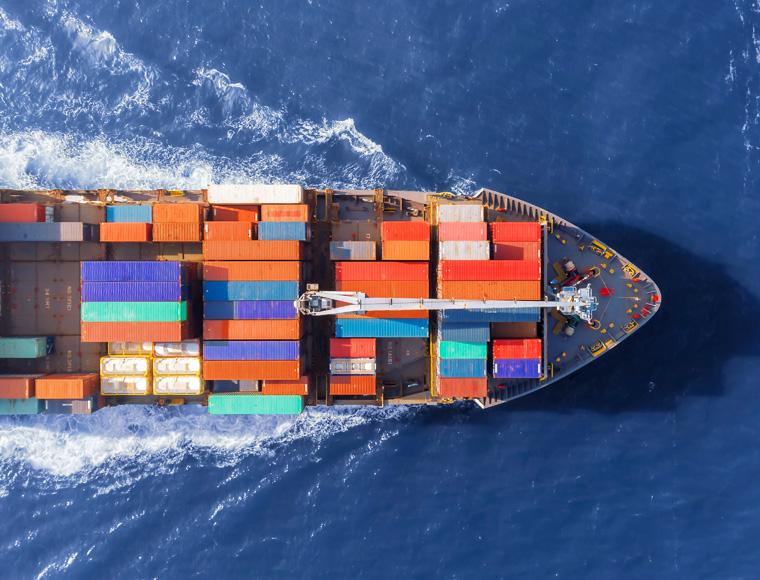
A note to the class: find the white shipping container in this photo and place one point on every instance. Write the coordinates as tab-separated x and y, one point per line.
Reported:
178	365
130	348
460	213
125	385
353	251
190	347
464	250
255	193
177	386
125	365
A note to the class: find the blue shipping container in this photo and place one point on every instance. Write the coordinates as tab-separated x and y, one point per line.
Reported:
464	331
134	271
381	328
492	315
129	214
251	350
72	406
284	231
21	406
135	291
50	232
474	368
213	290
250	310
517	368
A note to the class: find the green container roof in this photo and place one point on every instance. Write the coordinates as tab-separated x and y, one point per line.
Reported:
134	311
462	350
254	404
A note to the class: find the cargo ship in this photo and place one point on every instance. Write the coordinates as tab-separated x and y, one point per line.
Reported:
265	299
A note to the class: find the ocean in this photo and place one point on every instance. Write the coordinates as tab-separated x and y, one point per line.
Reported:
639	121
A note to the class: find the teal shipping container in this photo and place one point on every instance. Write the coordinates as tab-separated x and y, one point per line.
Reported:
462	350
26	346
134	311
21	406
254	404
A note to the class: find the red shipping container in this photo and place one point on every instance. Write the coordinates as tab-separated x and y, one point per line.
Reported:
382	271
255	250
298	212
253	330
353	385
489	290
233	370
125	232
235	213
489	270
450	388
385	289
517	251
406	250
352	347
252	271
22	213
134	331
67	386
406	231
177	213
177	232
17	386
462	232
517	348
389	314
295	387
229	231
515	232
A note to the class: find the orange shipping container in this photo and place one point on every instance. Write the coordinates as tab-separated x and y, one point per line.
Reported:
176	232
490	290
229	231
67	386
17	386
448	388
517	251
298	212
177	213
233	370
298	387
406	250
254	250
134	331
353	385
253	330
252	271
125	232
235	213
385	289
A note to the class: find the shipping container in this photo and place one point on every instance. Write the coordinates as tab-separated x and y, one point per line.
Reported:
130	348
177	232
229	231
418	313
254	194
294	387
176	213
517	348
235	213
134	311
134	271
139	366
353	251
461	213
21	406
50	232
357	385
385	289
66	386
135	291
514	330
126	386
251	271
490	290
517	251
353	347
252	369
464	251
255	250
406	232
179	385
463	367
462	387
353	366
393	250
190	347
463	232
284	231
465	331
251	350
489	270
285	213
241	386
125	232
253	329
515	232
23	213
86	406
381	328
454	349
254	404
250	310
266	290
408	271
129	213
26	346
492	315
134	331
17	386
516	369
177	365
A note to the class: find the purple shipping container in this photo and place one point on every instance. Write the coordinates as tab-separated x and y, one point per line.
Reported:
134	291
249	310
517	368
251	350
133	271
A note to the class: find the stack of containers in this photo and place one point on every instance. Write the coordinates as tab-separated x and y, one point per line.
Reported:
517	358
406	241
136	301
17	395
285	222
177	222
353	366
34	222
127	223
177	368
127	369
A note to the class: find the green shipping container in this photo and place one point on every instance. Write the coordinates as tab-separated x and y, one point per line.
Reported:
26	346
134	311
21	406
254	404
462	350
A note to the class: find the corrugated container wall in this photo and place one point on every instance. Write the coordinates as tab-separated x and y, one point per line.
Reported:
489	270
353	347
23	213
460	213
515	232
125	232
177	232
462	387
251	350
253	404
516	368
410	271
489	290
134	311
259	290
465	331
284	231
406	231
135	291
133	271
229	231
381	328
129	214
517	348
468	368
353	385
251	271
66	386
250	310
172	213
17	386
464	250
235	213
517	251
253	329
285	213
21	406
50	232
353	251
252	369
454	349
393	250
254	250
492	315
133	331
254	194
294	387
463	232
26	346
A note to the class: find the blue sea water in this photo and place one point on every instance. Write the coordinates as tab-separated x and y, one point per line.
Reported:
638	120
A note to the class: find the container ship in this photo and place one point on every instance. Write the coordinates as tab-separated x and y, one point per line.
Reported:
264	299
